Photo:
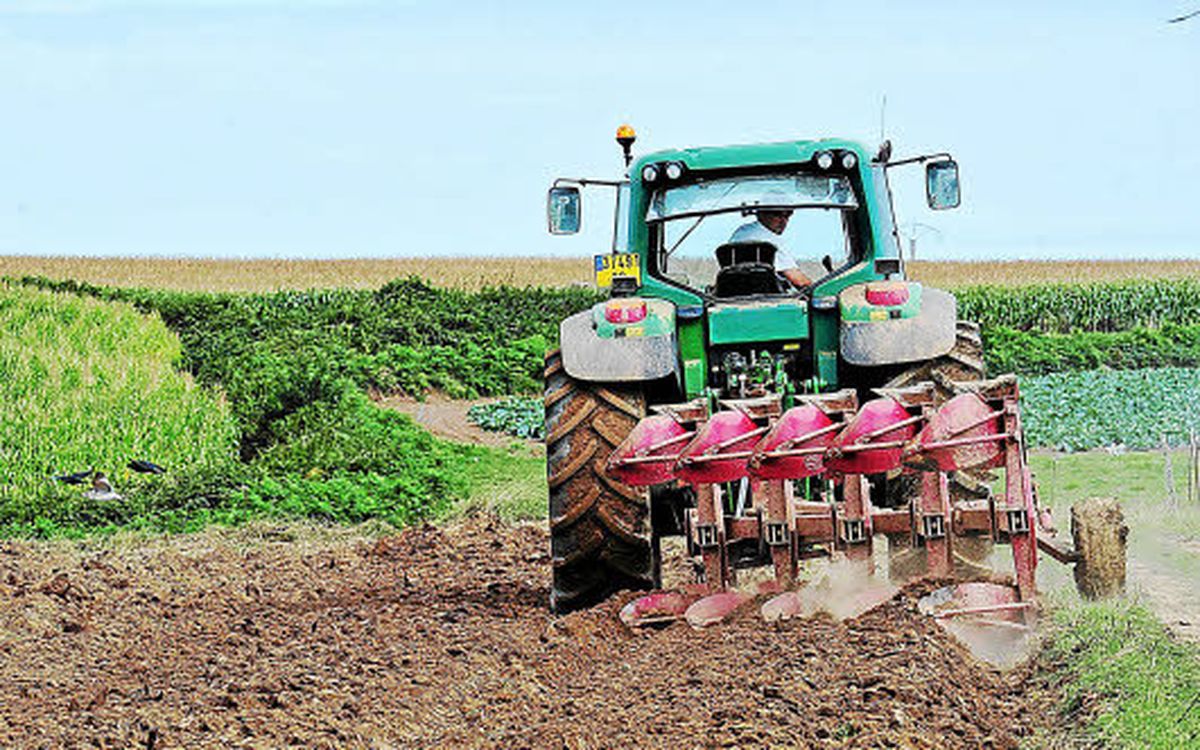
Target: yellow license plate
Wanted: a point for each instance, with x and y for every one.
(617, 266)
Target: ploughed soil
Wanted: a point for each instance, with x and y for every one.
(440, 637)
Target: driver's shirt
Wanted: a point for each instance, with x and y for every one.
(754, 231)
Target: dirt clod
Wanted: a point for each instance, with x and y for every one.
(1099, 531)
(442, 638)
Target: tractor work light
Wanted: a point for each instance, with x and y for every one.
(849, 160)
(674, 170)
(649, 173)
(824, 159)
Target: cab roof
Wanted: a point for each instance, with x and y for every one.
(750, 155)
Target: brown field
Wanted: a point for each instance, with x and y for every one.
(439, 638)
(247, 275)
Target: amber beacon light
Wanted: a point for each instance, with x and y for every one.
(626, 136)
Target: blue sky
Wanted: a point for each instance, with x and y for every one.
(323, 129)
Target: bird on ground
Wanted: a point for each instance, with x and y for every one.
(146, 467)
(76, 478)
(102, 489)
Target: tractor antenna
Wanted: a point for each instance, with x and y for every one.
(882, 118)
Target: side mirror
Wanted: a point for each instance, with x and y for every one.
(941, 184)
(563, 210)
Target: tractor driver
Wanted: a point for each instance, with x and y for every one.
(768, 227)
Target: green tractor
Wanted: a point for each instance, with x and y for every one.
(746, 282)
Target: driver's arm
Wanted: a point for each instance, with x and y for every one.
(796, 277)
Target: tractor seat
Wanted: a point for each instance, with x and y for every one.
(749, 279)
(747, 269)
(738, 253)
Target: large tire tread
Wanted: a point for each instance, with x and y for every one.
(964, 362)
(600, 531)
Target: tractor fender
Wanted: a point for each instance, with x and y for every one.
(892, 340)
(594, 351)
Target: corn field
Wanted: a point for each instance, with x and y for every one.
(273, 274)
(88, 384)
(1099, 307)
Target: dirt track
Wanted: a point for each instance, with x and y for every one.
(440, 638)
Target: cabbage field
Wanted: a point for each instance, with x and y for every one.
(1139, 409)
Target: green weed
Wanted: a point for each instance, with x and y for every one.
(86, 383)
(510, 483)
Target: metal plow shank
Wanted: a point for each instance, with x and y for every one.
(761, 453)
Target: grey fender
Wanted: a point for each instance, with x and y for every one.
(928, 334)
(586, 356)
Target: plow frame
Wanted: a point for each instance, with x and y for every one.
(779, 529)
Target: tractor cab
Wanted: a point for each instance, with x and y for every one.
(753, 253)
(750, 234)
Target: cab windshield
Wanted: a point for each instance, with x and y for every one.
(813, 241)
(742, 194)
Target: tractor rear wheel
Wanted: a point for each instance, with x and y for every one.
(962, 363)
(600, 530)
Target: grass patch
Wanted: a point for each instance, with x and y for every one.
(1125, 676)
(510, 483)
(1137, 479)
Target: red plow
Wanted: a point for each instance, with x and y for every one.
(774, 486)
